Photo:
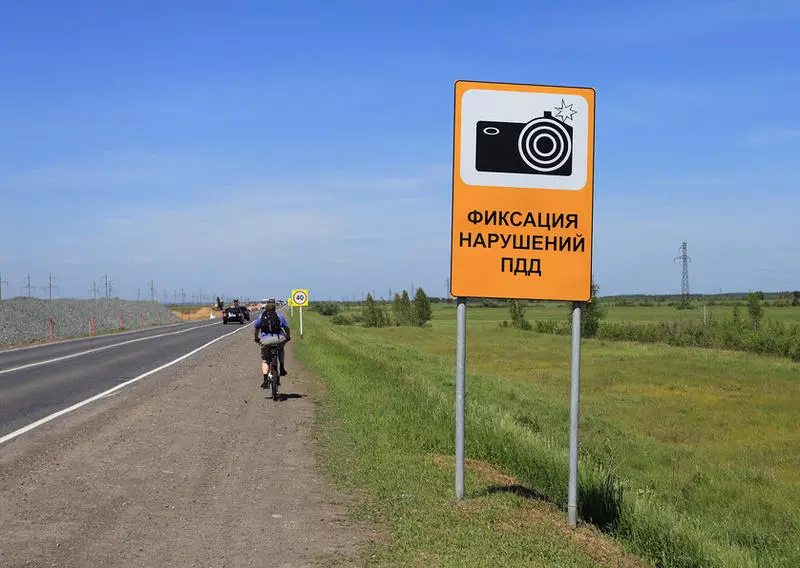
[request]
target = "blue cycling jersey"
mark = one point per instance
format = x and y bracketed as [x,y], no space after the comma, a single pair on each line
[257,323]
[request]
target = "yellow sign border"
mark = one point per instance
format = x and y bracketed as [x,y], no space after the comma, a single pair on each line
[304,291]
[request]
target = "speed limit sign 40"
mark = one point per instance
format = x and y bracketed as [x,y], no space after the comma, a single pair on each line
[300,298]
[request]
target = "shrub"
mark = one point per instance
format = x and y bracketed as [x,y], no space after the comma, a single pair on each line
[327,308]
[517,312]
[342,319]
[592,313]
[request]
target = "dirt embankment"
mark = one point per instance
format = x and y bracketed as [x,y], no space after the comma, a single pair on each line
[199,314]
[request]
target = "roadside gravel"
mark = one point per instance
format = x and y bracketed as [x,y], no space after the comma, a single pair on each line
[27,319]
[193,466]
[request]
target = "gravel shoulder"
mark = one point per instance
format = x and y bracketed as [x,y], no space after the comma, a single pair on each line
[193,466]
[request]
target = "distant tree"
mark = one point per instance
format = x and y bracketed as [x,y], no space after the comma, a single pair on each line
[754,307]
[421,308]
[401,308]
[796,298]
[372,314]
[517,313]
[592,313]
[736,316]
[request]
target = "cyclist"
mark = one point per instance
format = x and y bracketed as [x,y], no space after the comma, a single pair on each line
[271,328]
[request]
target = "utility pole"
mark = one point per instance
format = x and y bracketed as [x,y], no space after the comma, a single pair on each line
[107,285]
[1,286]
[29,285]
[684,258]
[94,289]
[152,291]
[183,296]
[165,297]
[50,286]
[138,294]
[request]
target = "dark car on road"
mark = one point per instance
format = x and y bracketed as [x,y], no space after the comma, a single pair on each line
[246,312]
[233,313]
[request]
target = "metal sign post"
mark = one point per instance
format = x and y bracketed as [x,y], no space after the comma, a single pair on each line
[574,399]
[522,215]
[461,380]
[300,299]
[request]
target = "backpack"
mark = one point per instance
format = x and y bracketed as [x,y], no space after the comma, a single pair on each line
[271,323]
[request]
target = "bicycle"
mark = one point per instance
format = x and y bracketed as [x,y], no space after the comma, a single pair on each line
[273,371]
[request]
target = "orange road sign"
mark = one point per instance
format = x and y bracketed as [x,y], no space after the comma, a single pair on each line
[523,191]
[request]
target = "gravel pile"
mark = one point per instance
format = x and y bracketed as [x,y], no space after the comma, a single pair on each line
[28,319]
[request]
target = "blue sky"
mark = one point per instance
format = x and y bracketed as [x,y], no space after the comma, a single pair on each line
[130,135]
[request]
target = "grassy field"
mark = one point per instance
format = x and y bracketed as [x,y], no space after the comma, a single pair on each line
[689,457]
[633,314]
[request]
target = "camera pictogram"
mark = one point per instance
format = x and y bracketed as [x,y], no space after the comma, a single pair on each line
[542,146]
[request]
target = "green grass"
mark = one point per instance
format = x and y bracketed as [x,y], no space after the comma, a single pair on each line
[633,314]
[691,457]
[386,433]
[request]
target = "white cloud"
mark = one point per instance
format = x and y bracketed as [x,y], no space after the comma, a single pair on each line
[324,232]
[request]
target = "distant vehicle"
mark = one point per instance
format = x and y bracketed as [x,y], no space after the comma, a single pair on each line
[245,311]
[233,313]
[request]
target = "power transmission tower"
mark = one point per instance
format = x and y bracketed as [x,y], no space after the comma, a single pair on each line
[51,284]
[152,291]
[94,289]
[107,286]
[183,296]
[1,285]
[138,294]
[165,297]
[29,285]
[684,258]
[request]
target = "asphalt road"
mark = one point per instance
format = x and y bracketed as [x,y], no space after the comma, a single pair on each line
[39,381]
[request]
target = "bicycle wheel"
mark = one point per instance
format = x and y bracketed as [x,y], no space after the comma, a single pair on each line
[273,364]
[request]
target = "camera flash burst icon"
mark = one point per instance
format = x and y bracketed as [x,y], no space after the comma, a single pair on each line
[564,112]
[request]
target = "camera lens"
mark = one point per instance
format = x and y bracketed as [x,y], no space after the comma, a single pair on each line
[544,144]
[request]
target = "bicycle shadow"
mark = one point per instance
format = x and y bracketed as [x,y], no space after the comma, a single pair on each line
[286,396]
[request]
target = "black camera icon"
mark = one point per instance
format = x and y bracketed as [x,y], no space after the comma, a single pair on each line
[542,146]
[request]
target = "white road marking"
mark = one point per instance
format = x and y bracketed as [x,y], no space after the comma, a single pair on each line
[96,349]
[120,386]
